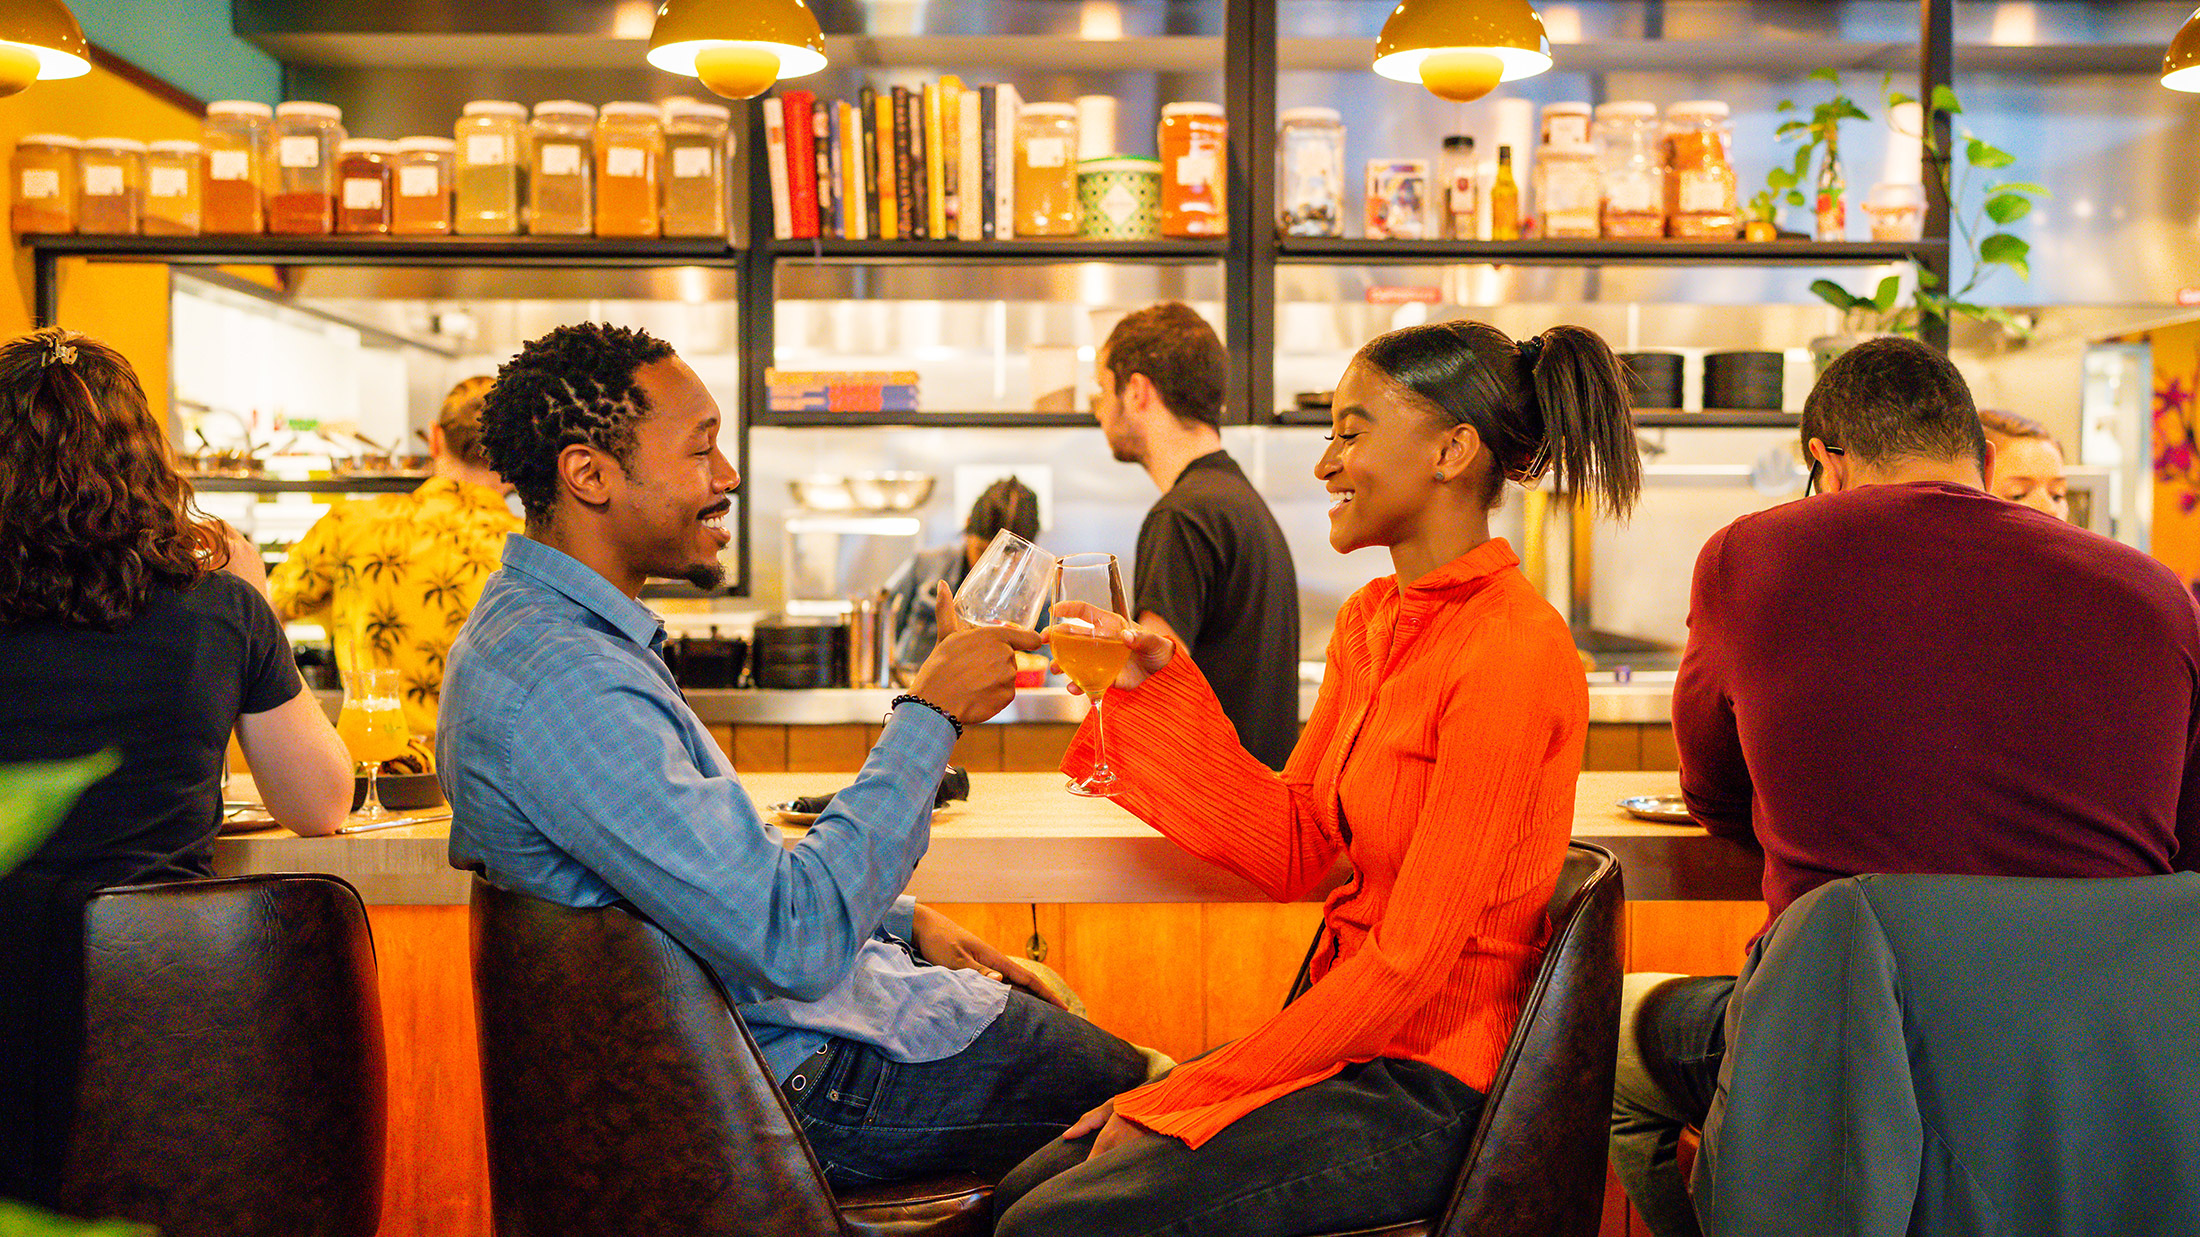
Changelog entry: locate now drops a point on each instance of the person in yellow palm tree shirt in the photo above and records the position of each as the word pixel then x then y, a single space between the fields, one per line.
pixel 393 577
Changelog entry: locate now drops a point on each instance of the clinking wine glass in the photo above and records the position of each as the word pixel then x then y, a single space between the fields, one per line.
pixel 1008 585
pixel 1089 655
pixel 372 726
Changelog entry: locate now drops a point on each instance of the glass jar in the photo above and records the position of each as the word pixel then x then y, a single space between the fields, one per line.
pixel 561 169
pixel 364 206
pixel 172 189
pixel 1632 170
pixel 421 176
pixel 1310 172
pixel 1457 204
pixel 1700 201
pixel 1568 195
pixel 490 181
pixel 1192 139
pixel 45 183
pixel 239 139
pixel 110 186
pixel 1119 198
pixel 306 138
pixel 1897 211
pixel 1566 122
pixel 630 150
pixel 695 168
pixel 1046 170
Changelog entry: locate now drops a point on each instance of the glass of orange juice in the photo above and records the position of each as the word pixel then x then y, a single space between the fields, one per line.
pixel 372 727
pixel 1090 655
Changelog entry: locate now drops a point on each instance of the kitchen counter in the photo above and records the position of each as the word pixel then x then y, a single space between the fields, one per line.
pixel 1023 838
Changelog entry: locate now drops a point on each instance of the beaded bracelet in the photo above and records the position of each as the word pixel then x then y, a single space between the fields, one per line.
pixel 913 698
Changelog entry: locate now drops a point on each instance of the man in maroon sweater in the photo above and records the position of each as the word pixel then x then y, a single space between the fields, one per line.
pixel 1908 674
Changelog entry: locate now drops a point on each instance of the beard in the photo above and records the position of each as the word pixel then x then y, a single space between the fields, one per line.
pixel 706 576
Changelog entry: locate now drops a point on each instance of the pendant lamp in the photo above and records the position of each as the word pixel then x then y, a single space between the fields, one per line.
pixel 1461 49
pixel 39 39
pixel 2181 64
pixel 737 47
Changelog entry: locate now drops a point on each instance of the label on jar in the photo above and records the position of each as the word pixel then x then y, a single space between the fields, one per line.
pixel 1119 204
pixel 562 159
pixel 229 165
pixel 1046 152
pixel 297 152
pixel 418 182
pixel 1703 194
pixel 1565 128
pixel 487 148
pixel 361 193
pixel 41 183
pixel 168 183
pixel 103 182
pixel 690 161
pixel 623 161
pixel 1196 170
pixel 1631 195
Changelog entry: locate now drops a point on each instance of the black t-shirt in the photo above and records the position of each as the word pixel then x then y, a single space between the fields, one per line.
pixel 166 690
pixel 1213 564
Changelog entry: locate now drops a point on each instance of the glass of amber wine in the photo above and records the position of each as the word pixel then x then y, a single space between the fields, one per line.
pixel 372 727
pixel 1086 655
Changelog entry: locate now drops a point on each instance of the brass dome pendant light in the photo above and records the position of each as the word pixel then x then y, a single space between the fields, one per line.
pixel 1461 49
pixel 39 39
pixel 737 47
pixel 2181 64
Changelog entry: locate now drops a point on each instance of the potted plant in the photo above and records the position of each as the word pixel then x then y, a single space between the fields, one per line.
pixel 1784 184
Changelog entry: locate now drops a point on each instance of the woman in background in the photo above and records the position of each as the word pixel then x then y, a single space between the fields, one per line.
pixel 2028 463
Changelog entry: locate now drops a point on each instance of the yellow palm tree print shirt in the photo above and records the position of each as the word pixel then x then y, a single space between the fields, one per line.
pixel 393 578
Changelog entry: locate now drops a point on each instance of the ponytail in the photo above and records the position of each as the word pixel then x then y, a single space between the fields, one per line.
pixel 1555 403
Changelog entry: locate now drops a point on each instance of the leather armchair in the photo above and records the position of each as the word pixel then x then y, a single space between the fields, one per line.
pixel 626 1098
pixel 232 1077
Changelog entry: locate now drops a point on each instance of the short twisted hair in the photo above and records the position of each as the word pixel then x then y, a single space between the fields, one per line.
pixel 574 386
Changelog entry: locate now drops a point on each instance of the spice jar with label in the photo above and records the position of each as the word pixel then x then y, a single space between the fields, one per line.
pixel 695 168
pixel 364 206
pixel 561 169
pixel 171 189
pixel 1458 208
pixel 420 173
pixel 45 183
pixel 1192 139
pixel 239 136
pixel 1700 202
pixel 1569 200
pixel 1120 198
pixel 110 186
pixel 630 149
pixel 306 138
pixel 1046 170
pixel 1566 122
pixel 490 177
pixel 1632 170
pixel 1310 172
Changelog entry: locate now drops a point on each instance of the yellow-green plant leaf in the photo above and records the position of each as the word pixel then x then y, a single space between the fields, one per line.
pixel 35 797
pixel 1944 100
pixel 1983 155
pixel 2008 251
pixel 1889 288
pixel 2005 208
pixel 2021 186
pixel 1835 295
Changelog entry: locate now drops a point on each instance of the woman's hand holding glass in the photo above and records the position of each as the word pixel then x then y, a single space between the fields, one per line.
pixel 1149 651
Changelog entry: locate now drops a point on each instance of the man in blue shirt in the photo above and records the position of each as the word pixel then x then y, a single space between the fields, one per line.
pixel 578 773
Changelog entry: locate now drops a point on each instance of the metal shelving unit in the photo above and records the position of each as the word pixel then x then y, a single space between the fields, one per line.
pixel 377 484
pixel 1354 251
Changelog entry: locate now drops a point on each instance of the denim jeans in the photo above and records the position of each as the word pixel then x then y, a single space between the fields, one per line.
pixel 1018 1085
pixel 1375 1145
pixel 1672 1037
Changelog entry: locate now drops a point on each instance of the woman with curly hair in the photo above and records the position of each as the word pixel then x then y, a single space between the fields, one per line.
pixel 120 628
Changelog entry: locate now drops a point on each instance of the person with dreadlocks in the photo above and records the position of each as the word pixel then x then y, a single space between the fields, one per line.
pixel 577 773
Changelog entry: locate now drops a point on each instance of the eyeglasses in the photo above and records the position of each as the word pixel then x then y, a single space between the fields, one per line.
pixel 1810 487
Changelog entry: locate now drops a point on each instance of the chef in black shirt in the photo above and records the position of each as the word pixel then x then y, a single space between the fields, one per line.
pixel 1213 572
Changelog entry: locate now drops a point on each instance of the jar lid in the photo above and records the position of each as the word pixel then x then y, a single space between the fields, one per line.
pixel 696 109
pixel 50 139
pixel 1191 109
pixel 1698 107
pixel 426 145
pixel 494 107
pixel 1566 109
pixel 629 109
pixel 1304 115
pixel 1458 141
pixel 311 110
pixel 125 145
pixel 1629 109
pixel 566 107
pixel 240 107
pixel 1068 110
pixel 1579 150
pixel 1119 163
pixel 365 146
pixel 172 148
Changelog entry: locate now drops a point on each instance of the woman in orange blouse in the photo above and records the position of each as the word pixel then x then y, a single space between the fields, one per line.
pixel 1441 758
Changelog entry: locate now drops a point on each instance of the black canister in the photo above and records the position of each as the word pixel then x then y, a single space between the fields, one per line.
pixel 1653 379
pixel 793 653
pixel 1745 381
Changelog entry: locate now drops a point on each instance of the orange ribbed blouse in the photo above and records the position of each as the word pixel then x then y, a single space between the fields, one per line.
pixel 1441 757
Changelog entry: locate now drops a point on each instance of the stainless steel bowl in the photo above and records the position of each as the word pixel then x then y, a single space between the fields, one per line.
pixel 822 493
pixel 891 491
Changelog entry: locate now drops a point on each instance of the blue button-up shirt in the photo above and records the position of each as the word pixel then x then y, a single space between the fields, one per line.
pixel 577 773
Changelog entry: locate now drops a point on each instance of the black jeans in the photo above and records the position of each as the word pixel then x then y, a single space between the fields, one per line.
pixel 1377 1144
pixel 1672 1041
pixel 1018 1085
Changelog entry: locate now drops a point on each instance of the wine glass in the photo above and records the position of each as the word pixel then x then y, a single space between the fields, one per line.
pixel 372 726
pixel 1086 655
pixel 1008 585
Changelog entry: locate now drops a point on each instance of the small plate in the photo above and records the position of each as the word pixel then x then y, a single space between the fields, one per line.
pixel 1665 809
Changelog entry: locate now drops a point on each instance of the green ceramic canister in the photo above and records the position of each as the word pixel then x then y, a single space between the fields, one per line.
pixel 1121 197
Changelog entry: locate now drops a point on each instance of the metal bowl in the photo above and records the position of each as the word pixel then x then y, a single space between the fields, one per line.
pixel 822 493
pixel 891 491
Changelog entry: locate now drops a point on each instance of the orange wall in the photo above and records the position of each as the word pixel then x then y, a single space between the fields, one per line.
pixel 2177 447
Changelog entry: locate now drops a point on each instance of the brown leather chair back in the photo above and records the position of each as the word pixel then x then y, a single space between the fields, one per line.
pixel 625 1099
pixel 232 1079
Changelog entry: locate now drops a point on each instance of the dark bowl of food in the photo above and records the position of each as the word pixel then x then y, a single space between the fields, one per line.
pixel 400 792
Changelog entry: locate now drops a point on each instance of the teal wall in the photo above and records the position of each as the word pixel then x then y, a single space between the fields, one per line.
pixel 190 44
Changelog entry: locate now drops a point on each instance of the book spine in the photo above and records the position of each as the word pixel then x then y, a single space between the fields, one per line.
pixel 889 181
pixel 775 146
pixel 850 163
pixel 801 165
pixel 867 158
pixel 950 97
pixel 935 170
pixel 1004 168
pixel 973 177
pixel 988 156
pixel 821 152
pixel 906 148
